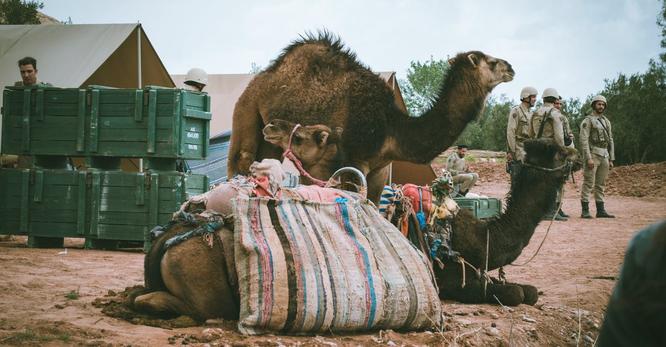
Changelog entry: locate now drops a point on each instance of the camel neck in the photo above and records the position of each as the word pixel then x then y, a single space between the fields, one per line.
pixel 422 139
pixel 511 232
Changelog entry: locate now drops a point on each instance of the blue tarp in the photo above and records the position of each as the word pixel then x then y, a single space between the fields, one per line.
pixel 215 164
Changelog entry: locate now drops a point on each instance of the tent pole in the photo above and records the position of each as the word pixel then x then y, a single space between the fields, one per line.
pixel 138 64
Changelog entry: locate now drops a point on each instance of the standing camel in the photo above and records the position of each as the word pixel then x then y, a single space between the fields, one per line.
pixel 316 80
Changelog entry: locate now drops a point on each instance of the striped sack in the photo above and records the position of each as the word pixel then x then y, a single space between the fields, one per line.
pixel 311 267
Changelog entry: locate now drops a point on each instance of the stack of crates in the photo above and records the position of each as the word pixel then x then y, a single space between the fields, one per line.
pixel 101 203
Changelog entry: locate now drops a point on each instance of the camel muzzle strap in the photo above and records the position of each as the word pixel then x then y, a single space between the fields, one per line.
pixel 564 166
pixel 289 154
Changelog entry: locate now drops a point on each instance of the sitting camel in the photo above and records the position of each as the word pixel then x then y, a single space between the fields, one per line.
pixel 196 277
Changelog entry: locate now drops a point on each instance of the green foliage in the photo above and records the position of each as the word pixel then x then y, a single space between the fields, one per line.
pixel 72 295
pixel 19 11
pixel 422 84
pixel 636 108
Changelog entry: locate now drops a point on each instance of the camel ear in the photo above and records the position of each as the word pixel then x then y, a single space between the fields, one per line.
pixel 337 132
pixel 452 61
pixel 473 59
pixel 321 137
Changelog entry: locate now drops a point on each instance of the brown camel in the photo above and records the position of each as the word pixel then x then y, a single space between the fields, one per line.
pixel 536 185
pixel 317 80
pixel 316 146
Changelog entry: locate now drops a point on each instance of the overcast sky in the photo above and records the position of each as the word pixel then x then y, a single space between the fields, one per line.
pixel 570 45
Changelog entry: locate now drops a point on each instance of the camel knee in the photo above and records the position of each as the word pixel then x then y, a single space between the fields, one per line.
pixel 531 294
pixel 507 294
pixel 160 303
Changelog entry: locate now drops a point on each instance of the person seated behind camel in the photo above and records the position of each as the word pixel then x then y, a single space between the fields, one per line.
pixel 316 147
pixel 459 170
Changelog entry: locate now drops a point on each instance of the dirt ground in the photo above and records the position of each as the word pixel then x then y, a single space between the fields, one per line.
pixel 53 297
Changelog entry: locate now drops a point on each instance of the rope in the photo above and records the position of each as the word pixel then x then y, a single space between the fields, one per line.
pixel 485 283
pixel 547 231
pixel 289 154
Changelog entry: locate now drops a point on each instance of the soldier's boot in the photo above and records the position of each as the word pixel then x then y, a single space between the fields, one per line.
pixel 601 211
pixel 552 214
pixel 586 210
pixel 561 212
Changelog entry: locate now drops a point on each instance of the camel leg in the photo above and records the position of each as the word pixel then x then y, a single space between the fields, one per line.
pixel 508 294
pixel 161 303
pixel 376 181
pixel 245 138
pixel 531 294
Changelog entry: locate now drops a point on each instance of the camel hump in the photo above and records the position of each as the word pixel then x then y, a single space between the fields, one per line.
pixel 320 52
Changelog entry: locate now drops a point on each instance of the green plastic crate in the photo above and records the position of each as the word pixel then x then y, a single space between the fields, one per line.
pixel 14 187
pixel 126 206
pixel 481 208
pixel 99 121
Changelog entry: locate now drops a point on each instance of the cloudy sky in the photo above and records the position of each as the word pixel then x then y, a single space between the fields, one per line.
pixel 567 44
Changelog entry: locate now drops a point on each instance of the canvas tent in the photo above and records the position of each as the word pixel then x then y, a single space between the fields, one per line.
pixel 116 55
pixel 225 91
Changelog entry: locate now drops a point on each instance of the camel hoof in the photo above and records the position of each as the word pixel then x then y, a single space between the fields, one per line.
pixel 531 294
pixel 508 294
pixel 161 304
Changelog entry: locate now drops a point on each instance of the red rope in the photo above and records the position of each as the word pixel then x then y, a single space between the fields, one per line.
pixel 289 154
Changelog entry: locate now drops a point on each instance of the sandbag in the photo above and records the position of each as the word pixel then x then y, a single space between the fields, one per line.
pixel 311 267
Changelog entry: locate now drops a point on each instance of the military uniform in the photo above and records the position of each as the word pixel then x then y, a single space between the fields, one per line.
pixel 552 129
pixel 596 141
pixel 517 131
pixel 459 172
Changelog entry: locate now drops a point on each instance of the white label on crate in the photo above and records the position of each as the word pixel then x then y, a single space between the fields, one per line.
pixel 193 129
pixel 192 147
pixel 192 135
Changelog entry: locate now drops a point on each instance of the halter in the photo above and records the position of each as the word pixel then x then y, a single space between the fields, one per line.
pixel 565 166
pixel 289 154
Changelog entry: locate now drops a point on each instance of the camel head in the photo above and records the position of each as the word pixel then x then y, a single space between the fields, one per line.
pixel 309 143
pixel 488 70
pixel 547 154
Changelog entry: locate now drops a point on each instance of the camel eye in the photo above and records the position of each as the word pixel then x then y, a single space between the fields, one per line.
pixel 297 139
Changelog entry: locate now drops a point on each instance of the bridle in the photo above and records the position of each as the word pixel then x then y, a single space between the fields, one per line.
pixel 289 154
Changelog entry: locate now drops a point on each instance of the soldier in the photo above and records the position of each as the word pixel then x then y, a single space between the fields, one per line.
pixel 459 170
pixel 596 140
pixel 547 122
pixel 196 79
pixel 569 142
pixel 28 69
pixel 517 130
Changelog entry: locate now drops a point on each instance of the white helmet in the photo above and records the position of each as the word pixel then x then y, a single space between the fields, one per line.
pixel 551 92
pixel 599 98
pixel 527 91
pixel 196 75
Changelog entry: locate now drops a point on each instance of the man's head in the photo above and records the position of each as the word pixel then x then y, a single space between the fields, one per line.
pixel 462 150
pixel 528 95
pixel 599 104
pixel 196 78
pixel 558 104
pixel 28 68
pixel 550 95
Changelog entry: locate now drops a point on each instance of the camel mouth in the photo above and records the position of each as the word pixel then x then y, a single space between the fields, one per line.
pixel 508 76
pixel 272 138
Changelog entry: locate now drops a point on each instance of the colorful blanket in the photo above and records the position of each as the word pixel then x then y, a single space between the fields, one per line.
pixel 310 267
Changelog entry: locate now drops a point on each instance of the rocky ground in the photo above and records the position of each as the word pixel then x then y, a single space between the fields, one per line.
pixel 55 297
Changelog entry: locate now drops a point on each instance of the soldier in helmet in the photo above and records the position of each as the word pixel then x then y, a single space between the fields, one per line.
pixel 196 79
pixel 517 130
pixel 596 141
pixel 569 142
pixel 547 122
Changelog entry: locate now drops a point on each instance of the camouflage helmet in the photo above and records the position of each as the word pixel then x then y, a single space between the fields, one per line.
pixel 527 91
pixel 552 92
pixel 197 76
pixel 599 98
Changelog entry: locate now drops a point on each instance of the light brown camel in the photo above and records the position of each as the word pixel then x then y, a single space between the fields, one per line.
pixel 193 277
pixel 315 146
pixel 317 80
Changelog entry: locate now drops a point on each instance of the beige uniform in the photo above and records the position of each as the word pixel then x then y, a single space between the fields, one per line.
pixel 553 128
pixel 596 141
pixel 517 130
pixel 460 172
pixel 567 128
